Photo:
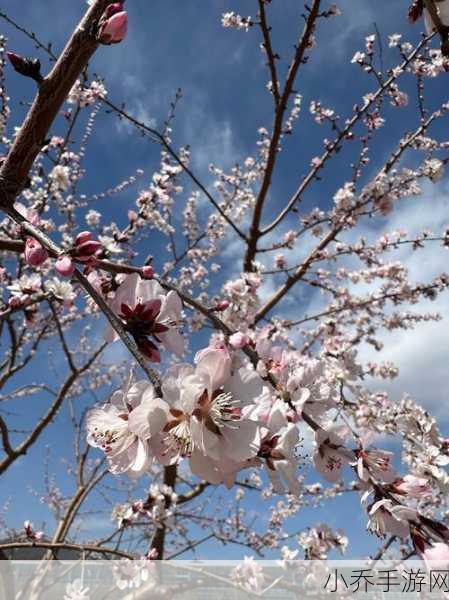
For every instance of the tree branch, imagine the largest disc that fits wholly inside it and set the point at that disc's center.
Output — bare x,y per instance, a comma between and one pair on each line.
443,30
333,233
158,541
332,147
303,45
5,438
271,56
50,97
51,413
159,137
81,548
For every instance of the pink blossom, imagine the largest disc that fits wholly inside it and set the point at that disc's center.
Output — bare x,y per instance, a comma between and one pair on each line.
319,541
249,575
279,438
272,356
411,486
278,452
35,253
218,345
150,315
331,455
214,364
96,280
269,411
125,427
208,418
219,471
279,261
375,464
65,267
131,574
385,517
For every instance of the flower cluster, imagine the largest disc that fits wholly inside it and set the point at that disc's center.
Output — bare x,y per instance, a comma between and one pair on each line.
86,95
283,378
217,414
236,21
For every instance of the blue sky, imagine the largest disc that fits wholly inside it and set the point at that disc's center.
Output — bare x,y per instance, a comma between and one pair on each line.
181,44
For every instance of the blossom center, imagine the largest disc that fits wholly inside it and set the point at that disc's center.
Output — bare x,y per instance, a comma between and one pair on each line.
142,321
218,411
268,451
106,439
179,435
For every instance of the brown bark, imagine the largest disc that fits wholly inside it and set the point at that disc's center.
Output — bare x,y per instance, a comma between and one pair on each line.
52,92
158,541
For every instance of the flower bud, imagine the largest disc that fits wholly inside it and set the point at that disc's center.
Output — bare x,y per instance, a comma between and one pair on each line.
221,306
35,253
84,236
113,25
238,340
29,67
87,249
415,11
147,272
18,62
112,10
65,266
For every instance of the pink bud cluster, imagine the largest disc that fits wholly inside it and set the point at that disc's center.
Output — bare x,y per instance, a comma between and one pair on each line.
84,251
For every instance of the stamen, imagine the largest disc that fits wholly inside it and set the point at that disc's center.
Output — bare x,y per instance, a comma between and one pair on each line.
107,438
222,411
181,439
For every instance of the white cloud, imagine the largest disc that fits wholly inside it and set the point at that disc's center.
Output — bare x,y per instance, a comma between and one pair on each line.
421,354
